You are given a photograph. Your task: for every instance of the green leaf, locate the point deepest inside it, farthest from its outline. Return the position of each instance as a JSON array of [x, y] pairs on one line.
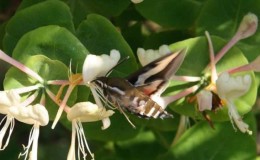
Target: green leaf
[[170, 12], [222, 18], [48, 69], [100, 37], [144, 143], [203, 143], [108, 8], [54, 42], [197, 58], [27, 3], [30, 18], [155, 40]]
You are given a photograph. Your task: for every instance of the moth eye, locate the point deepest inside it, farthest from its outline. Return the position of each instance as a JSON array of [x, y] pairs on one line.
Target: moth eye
[[99, 83]]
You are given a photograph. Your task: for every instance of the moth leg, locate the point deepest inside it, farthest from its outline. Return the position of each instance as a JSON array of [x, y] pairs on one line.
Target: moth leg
[[127, 118]]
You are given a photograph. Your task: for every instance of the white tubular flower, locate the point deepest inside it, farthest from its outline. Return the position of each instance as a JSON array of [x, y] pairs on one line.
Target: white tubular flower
[[96, 66], [248, 26], [230, 88], [147, 56], [204, 99], [84, 112], [137, 1], [37, 115], [7, 100]]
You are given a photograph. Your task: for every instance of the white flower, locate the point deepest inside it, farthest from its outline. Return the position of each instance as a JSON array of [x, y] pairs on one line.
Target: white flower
[[231, 88], [147, 56], [204, 99], [95, 66], [248, 26], [7, 100], [137, 1], [84, 112], [37, 115]]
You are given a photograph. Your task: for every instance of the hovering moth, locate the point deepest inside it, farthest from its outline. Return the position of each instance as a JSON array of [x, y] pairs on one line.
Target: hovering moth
[[134, 92]]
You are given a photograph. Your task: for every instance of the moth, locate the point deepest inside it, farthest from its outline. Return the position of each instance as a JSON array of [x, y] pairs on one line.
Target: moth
[[134, 93]]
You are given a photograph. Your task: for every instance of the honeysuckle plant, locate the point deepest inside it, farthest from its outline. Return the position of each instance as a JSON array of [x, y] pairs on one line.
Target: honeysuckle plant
[[57, 48]]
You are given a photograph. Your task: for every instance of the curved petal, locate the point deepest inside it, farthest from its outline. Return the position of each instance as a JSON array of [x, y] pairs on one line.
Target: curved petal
[[95, 66], [88, 112], [32, 114]]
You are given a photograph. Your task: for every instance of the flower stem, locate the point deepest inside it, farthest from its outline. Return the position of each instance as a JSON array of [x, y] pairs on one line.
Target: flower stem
[[181, 129], [62, 106], [214, 75], [170, 99], [27, 89], [52, 96], [20, 66]]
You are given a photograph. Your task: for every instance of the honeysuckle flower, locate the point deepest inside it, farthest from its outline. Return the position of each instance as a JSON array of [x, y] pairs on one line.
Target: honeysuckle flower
[[230, 88], [137, 1], [227, 88], [7, 100], [36, 115], [96, 66], [84, 112], [247, 28], [147, 56]]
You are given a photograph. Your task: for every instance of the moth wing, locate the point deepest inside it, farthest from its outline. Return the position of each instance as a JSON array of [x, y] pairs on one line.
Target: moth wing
[[153, 77]]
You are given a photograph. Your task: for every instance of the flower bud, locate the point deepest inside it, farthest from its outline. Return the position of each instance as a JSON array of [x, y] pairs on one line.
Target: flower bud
[[248, 26]]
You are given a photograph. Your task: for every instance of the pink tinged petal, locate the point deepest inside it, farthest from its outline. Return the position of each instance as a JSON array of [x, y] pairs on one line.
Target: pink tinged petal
[[95, 66], [20, 66], [204, 99], [186, 78], [231, 88], [235, 117], [253, 66], [214, 75], [9, 125], [32, 114], [248, 26], [164, 101]]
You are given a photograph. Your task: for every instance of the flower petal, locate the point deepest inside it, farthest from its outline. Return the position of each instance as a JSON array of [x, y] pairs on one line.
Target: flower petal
[[232, 87], [7, 99], [204, 98], [96, 66], [88, 112], [248, 26], [147, 56], [32, 114]]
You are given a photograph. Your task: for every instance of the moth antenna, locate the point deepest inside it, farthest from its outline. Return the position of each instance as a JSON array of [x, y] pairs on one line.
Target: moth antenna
[[120, 62]]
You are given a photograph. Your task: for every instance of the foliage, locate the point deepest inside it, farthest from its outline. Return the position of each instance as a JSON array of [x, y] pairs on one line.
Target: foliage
[[48, 36]]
